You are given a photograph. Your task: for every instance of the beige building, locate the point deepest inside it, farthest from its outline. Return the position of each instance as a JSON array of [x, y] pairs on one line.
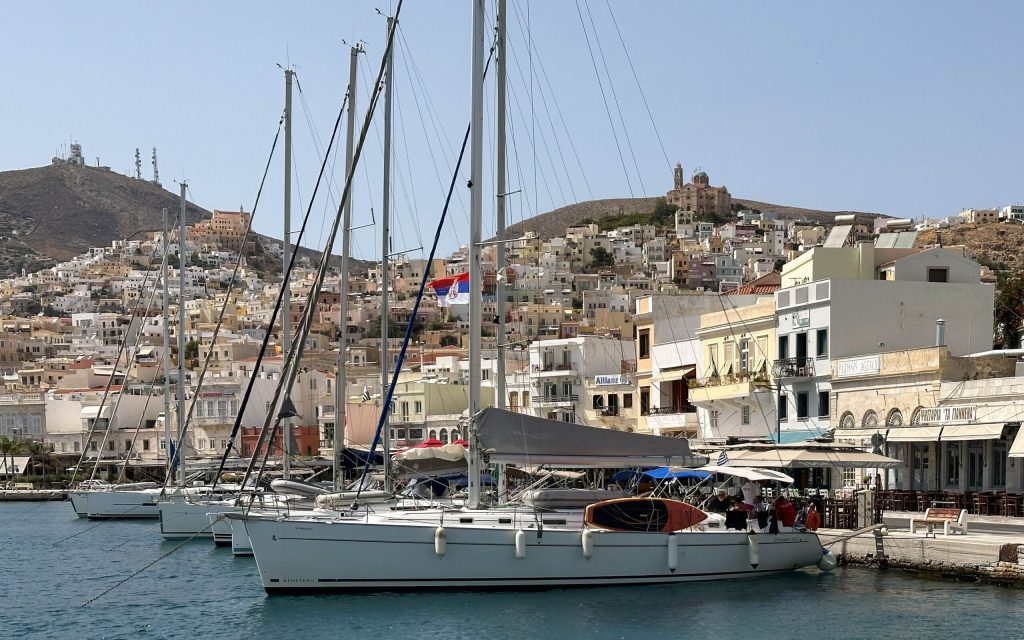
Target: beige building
[[699, 196], [891, 399], [732, 392]]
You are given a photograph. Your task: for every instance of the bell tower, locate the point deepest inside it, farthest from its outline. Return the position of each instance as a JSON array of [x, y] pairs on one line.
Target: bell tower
[[678, 175]]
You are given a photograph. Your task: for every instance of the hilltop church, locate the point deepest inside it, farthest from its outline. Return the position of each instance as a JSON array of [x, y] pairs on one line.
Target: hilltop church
[[698, 196]]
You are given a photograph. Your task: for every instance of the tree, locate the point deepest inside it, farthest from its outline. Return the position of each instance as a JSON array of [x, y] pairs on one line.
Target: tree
[[191, 350], [664, 213], [1009, 310], [600, 257], [449, 341]]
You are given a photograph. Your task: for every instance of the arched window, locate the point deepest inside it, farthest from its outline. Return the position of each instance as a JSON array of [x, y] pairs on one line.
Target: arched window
[[432, 434], [847, 421], [895, 419], [444, 436], [455, 434], [915, 418], [870, 419]]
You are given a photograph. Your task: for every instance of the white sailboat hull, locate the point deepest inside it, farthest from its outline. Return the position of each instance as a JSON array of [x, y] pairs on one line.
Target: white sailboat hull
[[191, 518], [98, 505], [297, 555]]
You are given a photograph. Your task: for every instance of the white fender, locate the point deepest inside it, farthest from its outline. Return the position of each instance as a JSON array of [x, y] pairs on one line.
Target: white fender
[[828, 561], [440, 541], [673, 552], [755, 553], [520, 544], [588, 543]]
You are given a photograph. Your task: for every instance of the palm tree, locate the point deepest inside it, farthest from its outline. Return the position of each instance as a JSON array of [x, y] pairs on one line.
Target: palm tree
[[9, 448], [42, 456]]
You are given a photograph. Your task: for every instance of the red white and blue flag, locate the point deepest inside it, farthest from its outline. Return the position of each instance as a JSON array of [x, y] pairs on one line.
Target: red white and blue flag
[[452, 290]]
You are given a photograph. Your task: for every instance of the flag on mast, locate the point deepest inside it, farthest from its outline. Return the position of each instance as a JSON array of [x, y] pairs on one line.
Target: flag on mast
[[451, 290]]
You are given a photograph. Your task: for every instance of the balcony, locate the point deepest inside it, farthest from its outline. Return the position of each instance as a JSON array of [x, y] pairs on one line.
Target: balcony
[[664, 411], [729, 387], [560, 400], [793, 368]]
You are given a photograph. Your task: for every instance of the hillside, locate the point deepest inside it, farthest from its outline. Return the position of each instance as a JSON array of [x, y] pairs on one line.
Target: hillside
[[53, 213], [993, 245], [554, 223]]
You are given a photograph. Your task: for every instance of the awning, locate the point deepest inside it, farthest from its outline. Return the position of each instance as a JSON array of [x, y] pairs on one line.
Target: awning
[[674, 373], [11, 465], [984, 431], [517, 438], [811, 458], [749, 473], [1017, 448], [90, 412], [913, 434]]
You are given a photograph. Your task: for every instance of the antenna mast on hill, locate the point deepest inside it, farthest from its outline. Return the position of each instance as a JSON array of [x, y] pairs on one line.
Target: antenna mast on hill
[[156, 172], [138, 165]]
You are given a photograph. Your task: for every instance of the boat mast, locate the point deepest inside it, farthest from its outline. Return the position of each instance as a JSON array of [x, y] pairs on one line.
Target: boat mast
[[385, 258], [341, 383], [167, 352], [499, 259], [475, 213], [499, 379], [286, 339], [179, 451]]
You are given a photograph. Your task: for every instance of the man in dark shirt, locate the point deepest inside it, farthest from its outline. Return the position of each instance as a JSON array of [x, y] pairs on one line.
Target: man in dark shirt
[[720, 502]]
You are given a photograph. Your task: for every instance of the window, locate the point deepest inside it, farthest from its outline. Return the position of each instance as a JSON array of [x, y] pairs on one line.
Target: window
[[598, 402], [202, 443], [975, 464], [999, 462], [234, 407], [199, 409], [713, 359], [110, 446], [801, 346], [822, 343], [938, 274], [713, 418], [645, 400], [145, 445], [627, 401], [92, 445], [744, 355], [823, 401], [416, 434], [222, 408], [401, 434], [802, 407], [783, 347], [783, 408], [432, 434], [76, 446], [645, 344], [64, 447], [745, 414], [418, 406]]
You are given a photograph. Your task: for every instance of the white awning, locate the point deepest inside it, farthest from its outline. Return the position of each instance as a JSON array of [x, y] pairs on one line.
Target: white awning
[[985, 431], [674, 373], [749, 473], [90, 412], [1017, 448], [913, 434]]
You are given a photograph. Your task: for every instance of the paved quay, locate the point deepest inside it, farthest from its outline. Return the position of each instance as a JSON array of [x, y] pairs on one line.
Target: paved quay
[[987, 552]]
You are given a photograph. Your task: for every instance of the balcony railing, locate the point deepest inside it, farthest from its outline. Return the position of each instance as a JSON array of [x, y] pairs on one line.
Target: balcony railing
[[793, 368], [552, 366], [556, 398], [758, 377], [660, 411]]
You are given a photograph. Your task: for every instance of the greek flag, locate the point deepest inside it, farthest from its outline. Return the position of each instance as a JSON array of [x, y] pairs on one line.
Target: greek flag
[[366, 394], [723, 459]]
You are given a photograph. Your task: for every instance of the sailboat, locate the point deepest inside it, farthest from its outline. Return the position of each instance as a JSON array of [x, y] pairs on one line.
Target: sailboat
[[631, 541], [139, 500]]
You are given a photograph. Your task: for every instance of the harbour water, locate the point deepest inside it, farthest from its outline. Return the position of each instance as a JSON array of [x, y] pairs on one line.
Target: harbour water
[[199, 591]]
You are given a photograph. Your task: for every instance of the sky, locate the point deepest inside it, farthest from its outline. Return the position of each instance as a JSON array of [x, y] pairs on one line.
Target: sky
[[909, 108]]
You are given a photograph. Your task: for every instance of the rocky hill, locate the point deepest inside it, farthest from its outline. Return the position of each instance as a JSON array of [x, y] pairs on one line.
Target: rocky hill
[[554, 223], [53, 213], [996, 245]]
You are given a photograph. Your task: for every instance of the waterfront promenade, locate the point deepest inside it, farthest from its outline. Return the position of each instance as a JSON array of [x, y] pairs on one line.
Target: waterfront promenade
[[986, 552]]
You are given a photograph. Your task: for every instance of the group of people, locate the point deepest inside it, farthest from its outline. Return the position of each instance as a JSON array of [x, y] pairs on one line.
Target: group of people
[[753, 512]]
